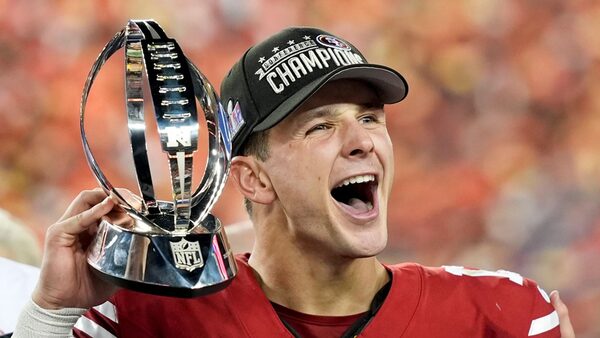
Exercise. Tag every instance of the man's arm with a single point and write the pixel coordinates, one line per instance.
(66, 282)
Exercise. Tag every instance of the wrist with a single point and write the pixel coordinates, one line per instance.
(42, 300)
(38, 322)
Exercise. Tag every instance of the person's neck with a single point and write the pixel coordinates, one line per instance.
(308, 281)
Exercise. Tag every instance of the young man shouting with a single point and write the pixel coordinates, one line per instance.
(314, 161)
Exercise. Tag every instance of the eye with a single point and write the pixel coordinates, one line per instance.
(318, 127)
(372, 114)
(370, 118)
(367, 119)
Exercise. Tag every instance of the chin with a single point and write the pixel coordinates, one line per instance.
(369, 247)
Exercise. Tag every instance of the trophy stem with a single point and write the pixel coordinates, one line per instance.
(181, 172)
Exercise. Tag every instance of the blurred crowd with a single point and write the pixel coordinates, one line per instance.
(497, 146)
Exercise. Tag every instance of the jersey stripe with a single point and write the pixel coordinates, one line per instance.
(460, 271)
(108, 310)
(543, 324)
(92, 329)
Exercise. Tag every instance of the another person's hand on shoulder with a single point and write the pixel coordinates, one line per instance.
(65, 278)
(566, 329)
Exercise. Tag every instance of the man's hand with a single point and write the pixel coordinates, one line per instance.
(65, 278)
(566, 329)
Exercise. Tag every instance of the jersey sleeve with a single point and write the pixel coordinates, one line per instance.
(544, 319)
(98, 322)
(512, 305)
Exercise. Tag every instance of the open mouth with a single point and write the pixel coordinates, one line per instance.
(356, 192)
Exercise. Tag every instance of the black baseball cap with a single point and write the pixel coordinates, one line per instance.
(277, 75)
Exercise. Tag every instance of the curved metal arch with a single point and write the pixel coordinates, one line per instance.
(140, 33)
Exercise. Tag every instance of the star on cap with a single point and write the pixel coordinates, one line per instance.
(306, 37)
(290, 42)
(262, 59)
(276, 49)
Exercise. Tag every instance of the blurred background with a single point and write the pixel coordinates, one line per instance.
(497, 145)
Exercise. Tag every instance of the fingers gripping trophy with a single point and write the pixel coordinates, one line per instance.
(177, 247)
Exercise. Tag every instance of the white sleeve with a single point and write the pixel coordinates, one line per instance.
(36, 322)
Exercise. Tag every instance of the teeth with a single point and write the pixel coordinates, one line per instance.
(357, 179)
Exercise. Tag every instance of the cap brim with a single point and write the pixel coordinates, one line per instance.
(389, 84)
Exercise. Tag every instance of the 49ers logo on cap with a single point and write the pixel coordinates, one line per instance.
(332, 41)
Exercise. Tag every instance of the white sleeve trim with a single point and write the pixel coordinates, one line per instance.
(461, 271)
(92, 328)
(544, 294)
(543, 324)
(108, 310)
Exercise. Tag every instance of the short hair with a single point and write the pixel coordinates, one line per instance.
(256, 145)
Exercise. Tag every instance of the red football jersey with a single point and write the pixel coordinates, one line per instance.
(422, 302)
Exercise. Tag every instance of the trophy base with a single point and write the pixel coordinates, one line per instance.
(188, 266)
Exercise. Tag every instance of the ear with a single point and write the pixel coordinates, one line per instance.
(251, 180)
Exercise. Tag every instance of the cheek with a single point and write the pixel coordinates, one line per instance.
(301, 169)
(289, 173)
(391, 161)
(385, 151)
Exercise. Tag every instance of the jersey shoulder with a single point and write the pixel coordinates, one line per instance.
(500, 301)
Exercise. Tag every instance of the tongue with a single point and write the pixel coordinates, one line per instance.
(359, 205)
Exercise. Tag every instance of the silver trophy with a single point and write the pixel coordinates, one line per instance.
(174, 248)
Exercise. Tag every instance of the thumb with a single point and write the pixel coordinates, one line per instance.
(566, 329)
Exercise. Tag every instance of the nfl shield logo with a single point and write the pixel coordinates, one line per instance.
(187, 255)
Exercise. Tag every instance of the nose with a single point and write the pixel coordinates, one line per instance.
(357, 140)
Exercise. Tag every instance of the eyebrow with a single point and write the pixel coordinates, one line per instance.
(316, 113)
(324, 112)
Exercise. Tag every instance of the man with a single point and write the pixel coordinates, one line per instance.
(314, 161)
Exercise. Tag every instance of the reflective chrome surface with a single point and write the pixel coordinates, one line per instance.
(194, 265)
(183, 225)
